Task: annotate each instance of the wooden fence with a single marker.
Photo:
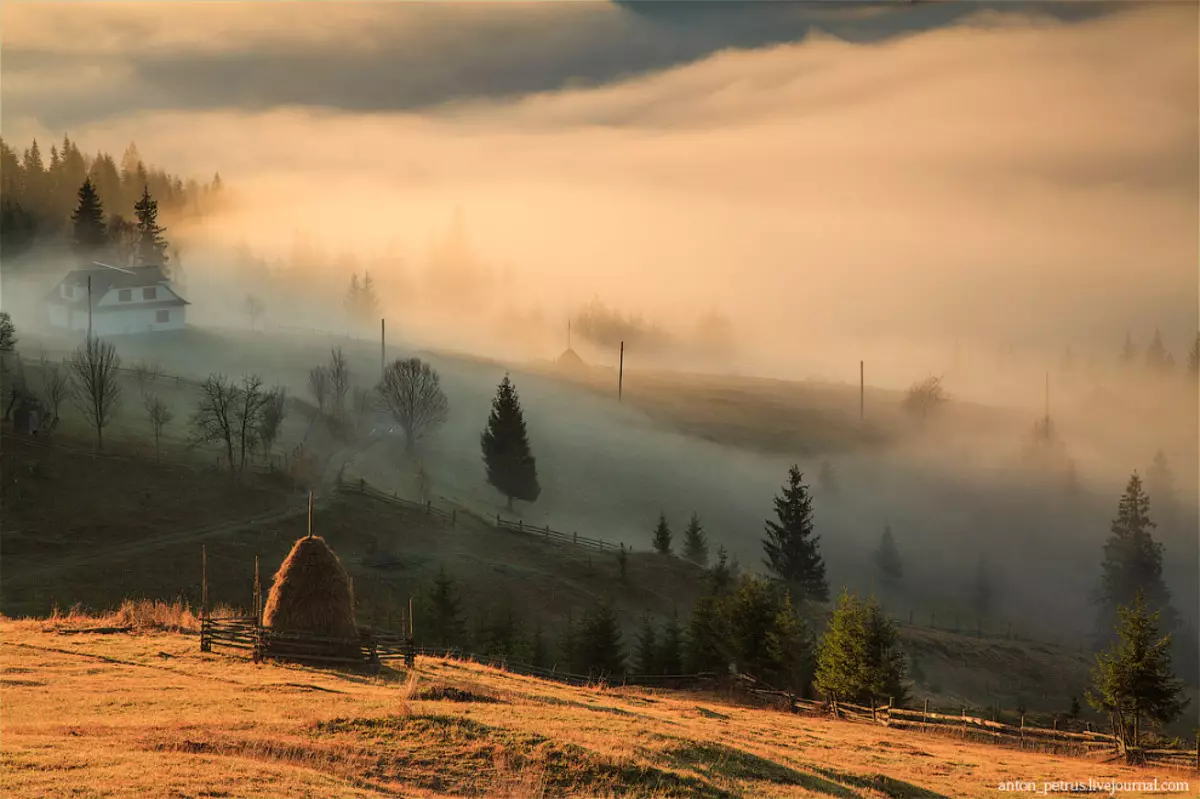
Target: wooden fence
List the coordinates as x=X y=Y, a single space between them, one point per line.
x=554 y=536
x=447 y=517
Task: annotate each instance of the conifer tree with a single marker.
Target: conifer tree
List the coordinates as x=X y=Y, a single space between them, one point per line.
x=1129 y=350
x=89 y=232
x=1133 y=679
x=1133 y=560
x=791 y=547
x=887 y=558
x=695 y=542
x=670 y=652
x=662 y=536
x=353 y=296
x=1157 y=357
x=511 y=467
x=151 y=246
x=599 y=651
x=791 y=650
x=721 y=575
x=1160 y=482
x=860 y=660
x=368 y=305
x=647 y=661
x=444 y=627
x=707 y=639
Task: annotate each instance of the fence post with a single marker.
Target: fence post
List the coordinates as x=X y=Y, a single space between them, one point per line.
x=453 y=517
x=497 y=521
x=521 y=525
x=964 y=722
x=1022 y=745
x=547 y=531
x=888 y=721
x=428 y=506
x=575 y=538
x=925 y=712
x=362 y=485
x=1198 y=750
x=873 y=716
x=205 y=641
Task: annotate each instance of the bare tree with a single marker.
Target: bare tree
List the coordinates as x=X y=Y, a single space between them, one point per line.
x=57 y=388
x=339 y=382
x=271 y=418
x=412 y=391
x=254 y=308
x=318 y=386
x=924 y=397
x=94 y=368
x=159 y=415
x=213 y=421
x=231 y=414
x=144 y=372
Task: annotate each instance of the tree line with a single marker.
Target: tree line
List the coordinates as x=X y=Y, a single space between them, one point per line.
x=40 y=192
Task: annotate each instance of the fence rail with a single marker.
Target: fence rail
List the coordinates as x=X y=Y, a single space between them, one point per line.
x=554 y=536
x=360 y=486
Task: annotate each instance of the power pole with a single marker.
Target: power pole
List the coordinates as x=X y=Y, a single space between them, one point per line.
x=621 y=372
x=89 y=306
x=861 y=393
x=382 y=345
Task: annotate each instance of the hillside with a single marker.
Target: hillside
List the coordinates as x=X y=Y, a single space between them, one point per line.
x=151 y=716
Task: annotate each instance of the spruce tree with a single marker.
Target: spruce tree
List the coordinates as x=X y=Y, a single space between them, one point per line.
x=1133 y=679
x=599 y=651
x=721 y=575
x=444 y=627
x=353 y=297
x=695 y=542
x=1133 y=560
x=790 y=649
x=647 y=661
x=662 y=536
x=89 y=234
x=751 y=612
x=1160 y=482
x=1157 y=357
x=708 y=635
x=368 y=306
x=887 y=558
x=511 y=467
x=791 y=547
x=670 y=651
x=151 y=246
x=860 y=660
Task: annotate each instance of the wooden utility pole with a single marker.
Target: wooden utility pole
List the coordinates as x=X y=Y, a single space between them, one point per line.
x=621 y=372
x=382 y=345
x=861 y=392
x=89 y=306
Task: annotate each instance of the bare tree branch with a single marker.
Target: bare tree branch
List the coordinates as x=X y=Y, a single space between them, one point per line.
x=94 y=366
x=411 y=390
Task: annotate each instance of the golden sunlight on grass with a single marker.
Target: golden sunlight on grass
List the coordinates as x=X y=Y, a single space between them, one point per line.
x=151 y=716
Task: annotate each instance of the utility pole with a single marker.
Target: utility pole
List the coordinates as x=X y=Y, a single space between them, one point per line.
x=89 y=306
x=621 y=372
x=382 y=345
x=861 y=393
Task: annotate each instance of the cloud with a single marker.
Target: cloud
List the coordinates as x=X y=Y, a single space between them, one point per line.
x=1015 y=177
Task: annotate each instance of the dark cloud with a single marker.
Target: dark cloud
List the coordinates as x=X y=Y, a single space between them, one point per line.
x=413 y=56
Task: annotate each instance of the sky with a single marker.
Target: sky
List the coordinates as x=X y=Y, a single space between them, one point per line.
x=887 y=177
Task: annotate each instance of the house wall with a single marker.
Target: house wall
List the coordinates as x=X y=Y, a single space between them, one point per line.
x=112 y=297
x=118 y=322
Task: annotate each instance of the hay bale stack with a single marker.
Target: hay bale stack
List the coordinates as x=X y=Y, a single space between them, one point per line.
x=311 y=593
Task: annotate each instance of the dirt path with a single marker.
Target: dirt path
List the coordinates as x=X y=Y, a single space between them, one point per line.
x=36 y=571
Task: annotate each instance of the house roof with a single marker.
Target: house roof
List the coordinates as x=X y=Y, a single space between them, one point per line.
x=105 y=278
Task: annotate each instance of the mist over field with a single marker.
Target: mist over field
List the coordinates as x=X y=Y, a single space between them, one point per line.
x=956 y=190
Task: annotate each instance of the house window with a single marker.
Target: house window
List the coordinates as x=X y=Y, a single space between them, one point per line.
x=162 y=316
x=125 y=295
x=150 y=293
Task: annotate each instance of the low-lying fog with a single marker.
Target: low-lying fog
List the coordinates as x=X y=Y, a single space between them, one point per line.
x=971 y=201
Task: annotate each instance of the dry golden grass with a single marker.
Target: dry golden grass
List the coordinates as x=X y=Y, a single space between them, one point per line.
x=149 y=715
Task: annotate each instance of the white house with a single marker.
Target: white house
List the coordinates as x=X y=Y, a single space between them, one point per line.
x=122 y=300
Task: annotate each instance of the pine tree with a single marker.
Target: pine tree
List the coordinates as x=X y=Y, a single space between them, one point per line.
x=1160 y=482
x=790 y=648
x=860 y=659
x=1133 y=559
x=695 y=542
x=662 y=536
x=981 y=592
x=670 y=651
x=599 y=650
x=445 y=625
x=887 y=558
x=647 y=648
x=151 y=246
x=1157 y=357
x=368 y=305
x=1133 y=679
x=708 y=635
x=751 y=613
x=511 y=467
x=791 y=547
x=1129 y=351
x=721 y=575
x=89 y=233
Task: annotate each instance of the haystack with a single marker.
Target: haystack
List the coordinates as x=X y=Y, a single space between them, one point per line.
x=311 y=593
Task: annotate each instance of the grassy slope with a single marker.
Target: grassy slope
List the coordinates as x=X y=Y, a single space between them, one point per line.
x=151 y=716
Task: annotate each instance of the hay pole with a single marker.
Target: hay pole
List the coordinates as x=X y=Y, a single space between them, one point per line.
x=257 y=594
